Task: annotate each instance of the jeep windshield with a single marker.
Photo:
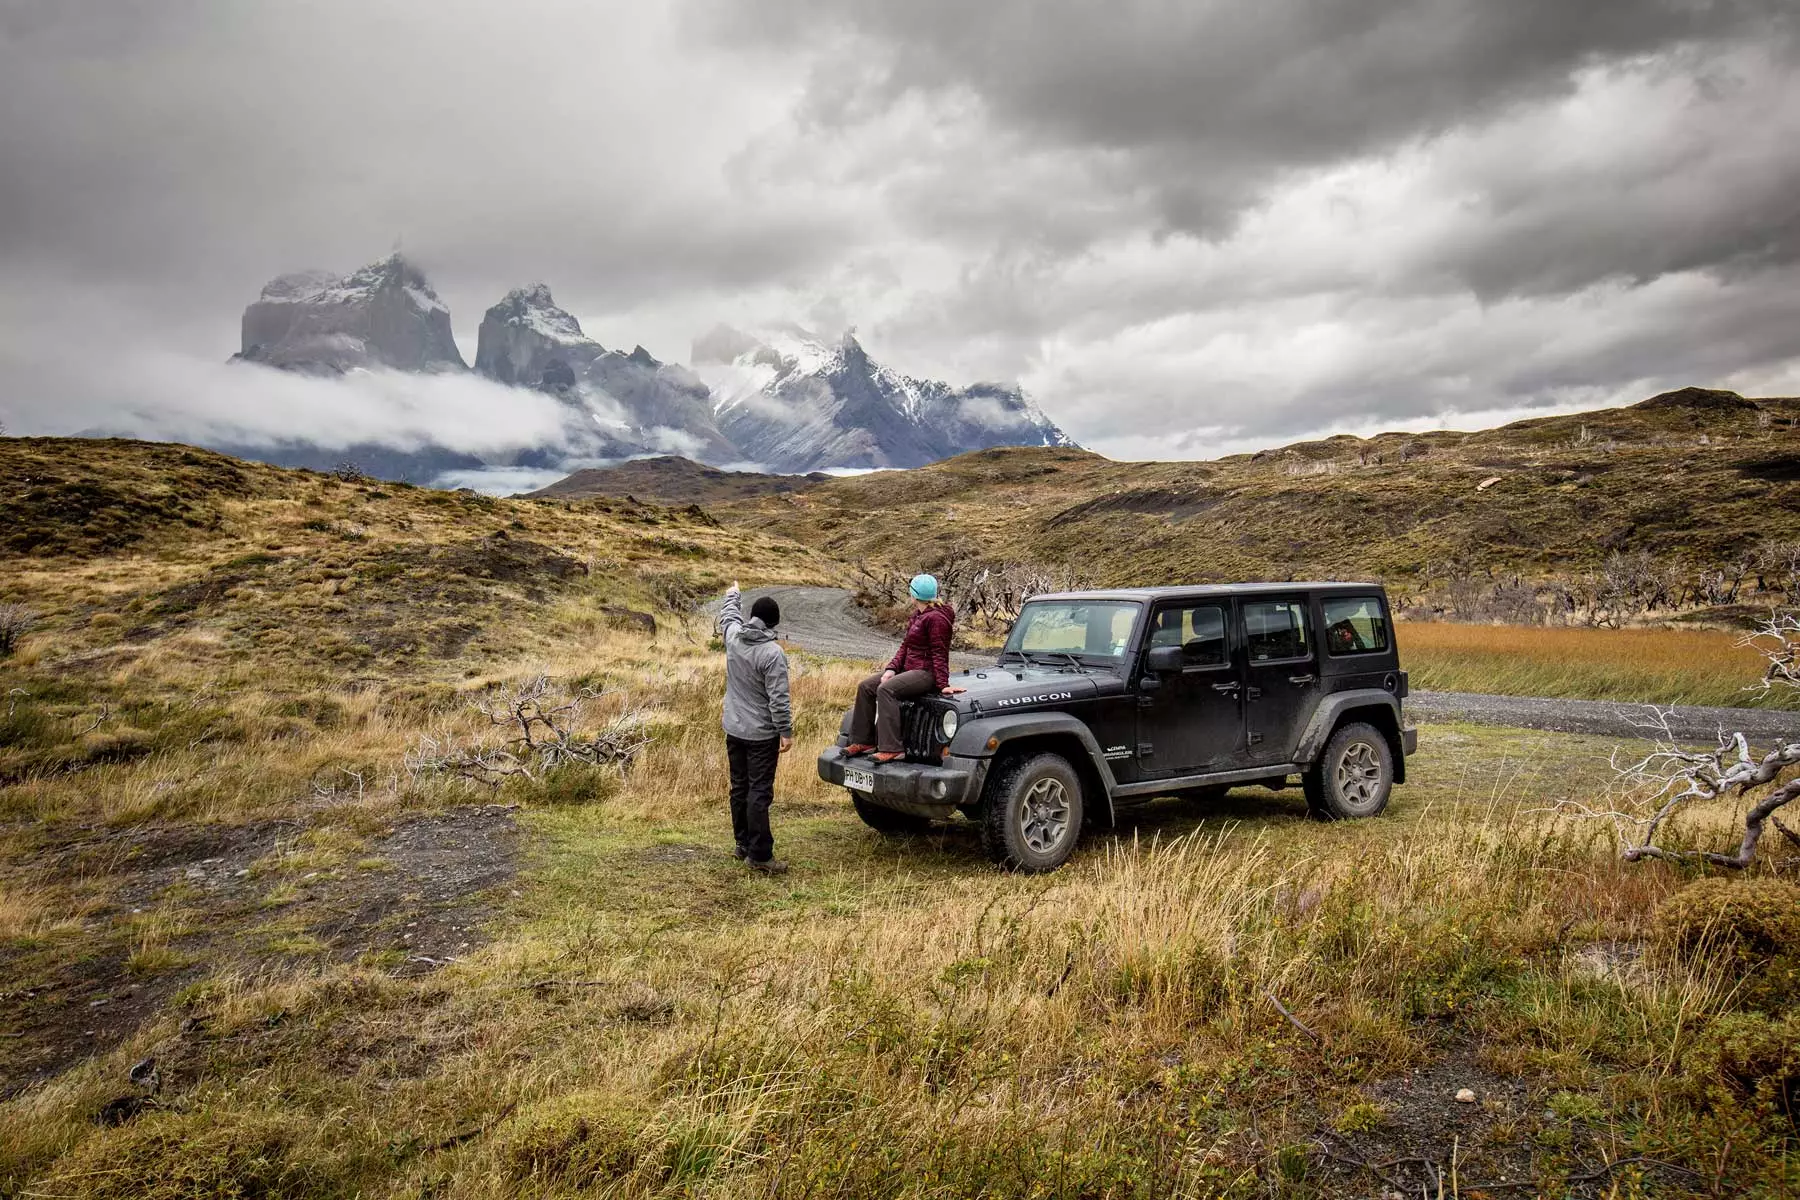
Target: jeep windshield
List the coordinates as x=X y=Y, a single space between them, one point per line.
x=1071 y=632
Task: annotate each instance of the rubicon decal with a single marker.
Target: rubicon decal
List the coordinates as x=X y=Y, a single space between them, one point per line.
x=1037 y=699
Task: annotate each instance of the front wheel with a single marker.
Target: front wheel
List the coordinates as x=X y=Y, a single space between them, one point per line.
x=886 y=820
x=1031 y=816
x=1354 y=775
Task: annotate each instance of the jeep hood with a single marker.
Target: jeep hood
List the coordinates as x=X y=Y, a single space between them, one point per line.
x=995 y=690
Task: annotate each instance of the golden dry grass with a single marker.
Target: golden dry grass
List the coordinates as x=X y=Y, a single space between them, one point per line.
x=896 y=1018
x=1640 y=666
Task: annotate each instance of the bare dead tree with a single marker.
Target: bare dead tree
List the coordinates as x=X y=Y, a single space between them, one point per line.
x=1778 y=568
x=542 y=722
x=1671 y=780
x=15 y=622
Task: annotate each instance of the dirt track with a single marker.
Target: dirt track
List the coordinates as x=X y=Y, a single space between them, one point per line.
x=824 y=621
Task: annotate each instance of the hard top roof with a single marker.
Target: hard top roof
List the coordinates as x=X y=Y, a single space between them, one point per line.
x=1209 y=589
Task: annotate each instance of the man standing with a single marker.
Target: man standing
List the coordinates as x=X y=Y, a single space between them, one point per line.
x=758 y=721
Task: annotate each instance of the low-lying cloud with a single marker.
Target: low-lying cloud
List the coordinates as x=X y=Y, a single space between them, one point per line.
x=168 y=396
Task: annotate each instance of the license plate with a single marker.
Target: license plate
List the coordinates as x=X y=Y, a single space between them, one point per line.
x=862 y=781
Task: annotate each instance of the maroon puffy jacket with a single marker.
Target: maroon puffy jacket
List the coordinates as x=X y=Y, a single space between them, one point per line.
x=926 y=646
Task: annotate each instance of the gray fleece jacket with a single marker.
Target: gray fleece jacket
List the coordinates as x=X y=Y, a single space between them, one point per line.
x=756 y=677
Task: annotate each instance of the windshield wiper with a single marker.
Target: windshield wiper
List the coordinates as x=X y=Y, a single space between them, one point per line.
x=1073 y=661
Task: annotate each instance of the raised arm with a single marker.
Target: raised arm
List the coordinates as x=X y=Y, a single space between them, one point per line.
x=731 y=615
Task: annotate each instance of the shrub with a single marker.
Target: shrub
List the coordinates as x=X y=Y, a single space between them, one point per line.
x=1748 y=918
x=1753 y=1060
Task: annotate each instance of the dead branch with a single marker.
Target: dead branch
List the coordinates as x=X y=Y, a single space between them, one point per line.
x=545 y=737
x=1292 y=1019
x=1671 y=779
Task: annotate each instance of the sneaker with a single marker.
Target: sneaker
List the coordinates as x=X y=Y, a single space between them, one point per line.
x=887 y=756
x=768 y=866
x=856 y=748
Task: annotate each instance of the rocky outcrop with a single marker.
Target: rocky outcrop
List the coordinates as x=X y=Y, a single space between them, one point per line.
x=794 y=402
x=384 y=315
x=527 y=340
x=633 y=403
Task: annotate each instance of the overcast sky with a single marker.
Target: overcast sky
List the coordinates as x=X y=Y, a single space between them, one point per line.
x=1187 y=226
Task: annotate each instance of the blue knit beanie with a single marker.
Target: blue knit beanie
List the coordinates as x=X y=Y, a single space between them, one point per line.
x=923 y=587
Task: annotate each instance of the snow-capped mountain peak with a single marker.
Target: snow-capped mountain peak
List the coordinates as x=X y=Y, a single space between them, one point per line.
x=796 y=401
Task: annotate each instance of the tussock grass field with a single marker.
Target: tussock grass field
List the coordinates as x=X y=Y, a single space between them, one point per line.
x=1639 y=666
x=336 y=977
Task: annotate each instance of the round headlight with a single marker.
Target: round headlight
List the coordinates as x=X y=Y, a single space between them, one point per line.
x=948 y=725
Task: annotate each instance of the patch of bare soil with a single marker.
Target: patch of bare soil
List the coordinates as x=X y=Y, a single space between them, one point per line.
x=1426 y=1131
x=1454 y=1127
x=420 y=898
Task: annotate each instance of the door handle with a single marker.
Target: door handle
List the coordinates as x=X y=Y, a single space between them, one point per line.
x=1303 y=678
x=1226 y=689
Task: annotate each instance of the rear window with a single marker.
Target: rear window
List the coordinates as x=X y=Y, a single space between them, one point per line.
x=1355 y=625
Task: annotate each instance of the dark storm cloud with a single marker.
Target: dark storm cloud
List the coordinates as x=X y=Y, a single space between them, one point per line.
x=153 y=140
x=1212 y=102
x=1182 y=224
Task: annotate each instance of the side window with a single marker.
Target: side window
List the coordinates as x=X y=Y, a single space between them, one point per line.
x=1275 y=629
x=1355 y=625
x=1198 y=629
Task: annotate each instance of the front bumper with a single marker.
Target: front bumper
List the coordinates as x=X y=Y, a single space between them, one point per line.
x=916 y=788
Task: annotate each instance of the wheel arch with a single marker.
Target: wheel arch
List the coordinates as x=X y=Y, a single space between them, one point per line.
x=1044 y=733
x=1371 y=705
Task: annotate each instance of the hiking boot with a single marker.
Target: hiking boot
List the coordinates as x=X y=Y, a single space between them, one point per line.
x=858 y=748
x=739 y=852
x=768 y=866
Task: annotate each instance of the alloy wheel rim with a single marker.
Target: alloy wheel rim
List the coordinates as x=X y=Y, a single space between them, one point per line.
x=1359 y=774
x=1044 y=816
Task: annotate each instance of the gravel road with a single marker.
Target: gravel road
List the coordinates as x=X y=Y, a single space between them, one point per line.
x=824 y=621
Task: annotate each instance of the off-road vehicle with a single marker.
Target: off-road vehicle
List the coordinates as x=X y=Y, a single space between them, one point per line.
x=1100 y=700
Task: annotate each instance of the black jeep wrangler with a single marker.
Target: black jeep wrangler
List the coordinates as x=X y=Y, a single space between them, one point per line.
x=1104 y=699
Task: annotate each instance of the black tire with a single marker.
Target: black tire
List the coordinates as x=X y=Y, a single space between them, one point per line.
x=886 y=820
x=1354 y=775
x=1020 y=829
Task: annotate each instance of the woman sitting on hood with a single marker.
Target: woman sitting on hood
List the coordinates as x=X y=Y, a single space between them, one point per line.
x=921 y=666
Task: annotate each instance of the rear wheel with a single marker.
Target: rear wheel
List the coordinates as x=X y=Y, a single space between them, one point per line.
x=1354 y=775
x=886 y=820
x=1032 y=813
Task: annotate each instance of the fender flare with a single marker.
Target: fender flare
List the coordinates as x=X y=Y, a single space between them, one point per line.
x=971 y=741
x=1325 y=718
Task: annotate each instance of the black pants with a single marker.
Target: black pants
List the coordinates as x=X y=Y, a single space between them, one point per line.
x=752 y=788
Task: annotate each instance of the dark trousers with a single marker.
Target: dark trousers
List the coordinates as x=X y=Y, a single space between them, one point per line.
x=877 y=715
x=752 y=788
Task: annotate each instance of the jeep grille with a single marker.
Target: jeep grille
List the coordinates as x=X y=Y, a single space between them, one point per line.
x=921 y=731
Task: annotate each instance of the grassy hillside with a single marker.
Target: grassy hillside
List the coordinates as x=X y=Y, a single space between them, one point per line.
x=1696 y=478
x=255 y=942
x=675 y=481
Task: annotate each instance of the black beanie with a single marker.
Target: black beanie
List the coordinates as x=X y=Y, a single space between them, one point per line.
x=767 y=610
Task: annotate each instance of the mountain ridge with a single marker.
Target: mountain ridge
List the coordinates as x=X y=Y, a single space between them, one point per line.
x=791 y=403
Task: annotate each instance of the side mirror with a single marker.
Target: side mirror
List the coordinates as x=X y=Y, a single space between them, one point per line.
x=1163 y=660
